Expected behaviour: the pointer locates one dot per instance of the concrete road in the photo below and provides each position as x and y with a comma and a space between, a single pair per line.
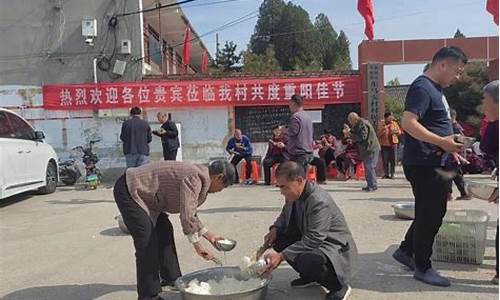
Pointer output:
67, 245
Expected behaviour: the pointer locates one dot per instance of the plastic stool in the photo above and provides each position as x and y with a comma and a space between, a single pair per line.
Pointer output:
255, 171
332, 172
311, 173
360, 171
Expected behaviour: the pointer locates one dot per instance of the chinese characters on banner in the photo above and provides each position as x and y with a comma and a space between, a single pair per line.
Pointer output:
202, 93
373, 93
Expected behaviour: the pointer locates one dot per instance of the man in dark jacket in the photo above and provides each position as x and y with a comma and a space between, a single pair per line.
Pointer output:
365, 138
274, 154
169, 136
136, 136
239, 147
311, 234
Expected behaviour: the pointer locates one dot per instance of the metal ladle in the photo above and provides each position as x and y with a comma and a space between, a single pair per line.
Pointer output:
225, 245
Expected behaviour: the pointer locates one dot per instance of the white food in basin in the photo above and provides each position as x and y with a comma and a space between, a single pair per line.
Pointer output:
226, 242
228, 285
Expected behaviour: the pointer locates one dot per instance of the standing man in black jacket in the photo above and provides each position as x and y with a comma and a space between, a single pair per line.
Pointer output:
136, 136
169, 136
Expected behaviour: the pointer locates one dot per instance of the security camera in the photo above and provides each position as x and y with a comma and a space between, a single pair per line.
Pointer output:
89, 41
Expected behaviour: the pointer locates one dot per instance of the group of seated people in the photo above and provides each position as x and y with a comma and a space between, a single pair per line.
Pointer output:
333, 153
329, 153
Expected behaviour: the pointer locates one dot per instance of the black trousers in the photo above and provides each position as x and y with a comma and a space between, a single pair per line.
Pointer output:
155, 253
313, 266
344, 165
329, 156
268, 163
236, 160
320, 165
459, 181
389, 159
431, 192
167, 153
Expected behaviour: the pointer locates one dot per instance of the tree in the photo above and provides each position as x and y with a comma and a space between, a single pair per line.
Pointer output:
458, 34
267, 24
260, 63
465, 95
326, 39
289, 28
395, 106
296, 48
344, 62
393, 82
226, 59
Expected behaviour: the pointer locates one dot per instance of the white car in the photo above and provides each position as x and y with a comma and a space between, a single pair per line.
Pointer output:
26, 161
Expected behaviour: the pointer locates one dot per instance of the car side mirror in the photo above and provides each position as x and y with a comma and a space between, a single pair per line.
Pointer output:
39, 135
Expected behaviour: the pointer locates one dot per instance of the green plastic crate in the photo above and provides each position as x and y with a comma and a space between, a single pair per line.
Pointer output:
462, 237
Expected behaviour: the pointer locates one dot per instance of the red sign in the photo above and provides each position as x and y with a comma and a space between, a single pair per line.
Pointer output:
316, 91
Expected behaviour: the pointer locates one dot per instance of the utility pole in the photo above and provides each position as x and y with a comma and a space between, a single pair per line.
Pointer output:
160, 39
216, 45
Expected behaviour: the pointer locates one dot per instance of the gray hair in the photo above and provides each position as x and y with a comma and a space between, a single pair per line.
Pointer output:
290, 170
492, 90
223, 167
298, 99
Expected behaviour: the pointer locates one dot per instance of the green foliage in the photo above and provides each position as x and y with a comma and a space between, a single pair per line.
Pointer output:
465, 95
226, 59
393, 82
344, 62
327, 40
396, 106
260, 63
298, 44
267, 25
299, 49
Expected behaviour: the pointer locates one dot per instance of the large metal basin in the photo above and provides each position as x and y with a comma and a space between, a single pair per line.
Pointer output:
404, 210
217, 274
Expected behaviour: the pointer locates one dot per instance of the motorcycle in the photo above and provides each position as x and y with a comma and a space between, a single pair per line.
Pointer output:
93, 175
69, 171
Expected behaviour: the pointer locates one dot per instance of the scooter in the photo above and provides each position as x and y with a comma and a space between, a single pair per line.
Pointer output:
69, 171
92, 173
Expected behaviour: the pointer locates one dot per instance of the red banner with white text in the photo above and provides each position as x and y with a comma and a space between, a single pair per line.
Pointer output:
202, 93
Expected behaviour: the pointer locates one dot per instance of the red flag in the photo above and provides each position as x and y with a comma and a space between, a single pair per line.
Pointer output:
492, 8
204, 61
186, 54
365, 8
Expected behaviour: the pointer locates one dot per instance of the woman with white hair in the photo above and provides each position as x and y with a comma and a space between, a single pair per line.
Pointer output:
489, 140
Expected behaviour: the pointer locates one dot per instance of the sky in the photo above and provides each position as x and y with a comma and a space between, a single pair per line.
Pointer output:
394, 20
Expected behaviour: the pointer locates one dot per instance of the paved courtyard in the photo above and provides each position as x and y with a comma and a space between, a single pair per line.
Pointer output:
67, 245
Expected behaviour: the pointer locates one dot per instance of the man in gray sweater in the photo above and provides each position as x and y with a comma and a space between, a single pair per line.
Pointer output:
298, 136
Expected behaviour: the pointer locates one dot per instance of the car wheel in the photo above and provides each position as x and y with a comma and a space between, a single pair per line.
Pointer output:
50, 179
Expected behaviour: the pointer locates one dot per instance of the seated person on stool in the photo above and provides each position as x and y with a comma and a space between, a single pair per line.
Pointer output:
274, 153
319, 163
239, 146
311, 234
327, 150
